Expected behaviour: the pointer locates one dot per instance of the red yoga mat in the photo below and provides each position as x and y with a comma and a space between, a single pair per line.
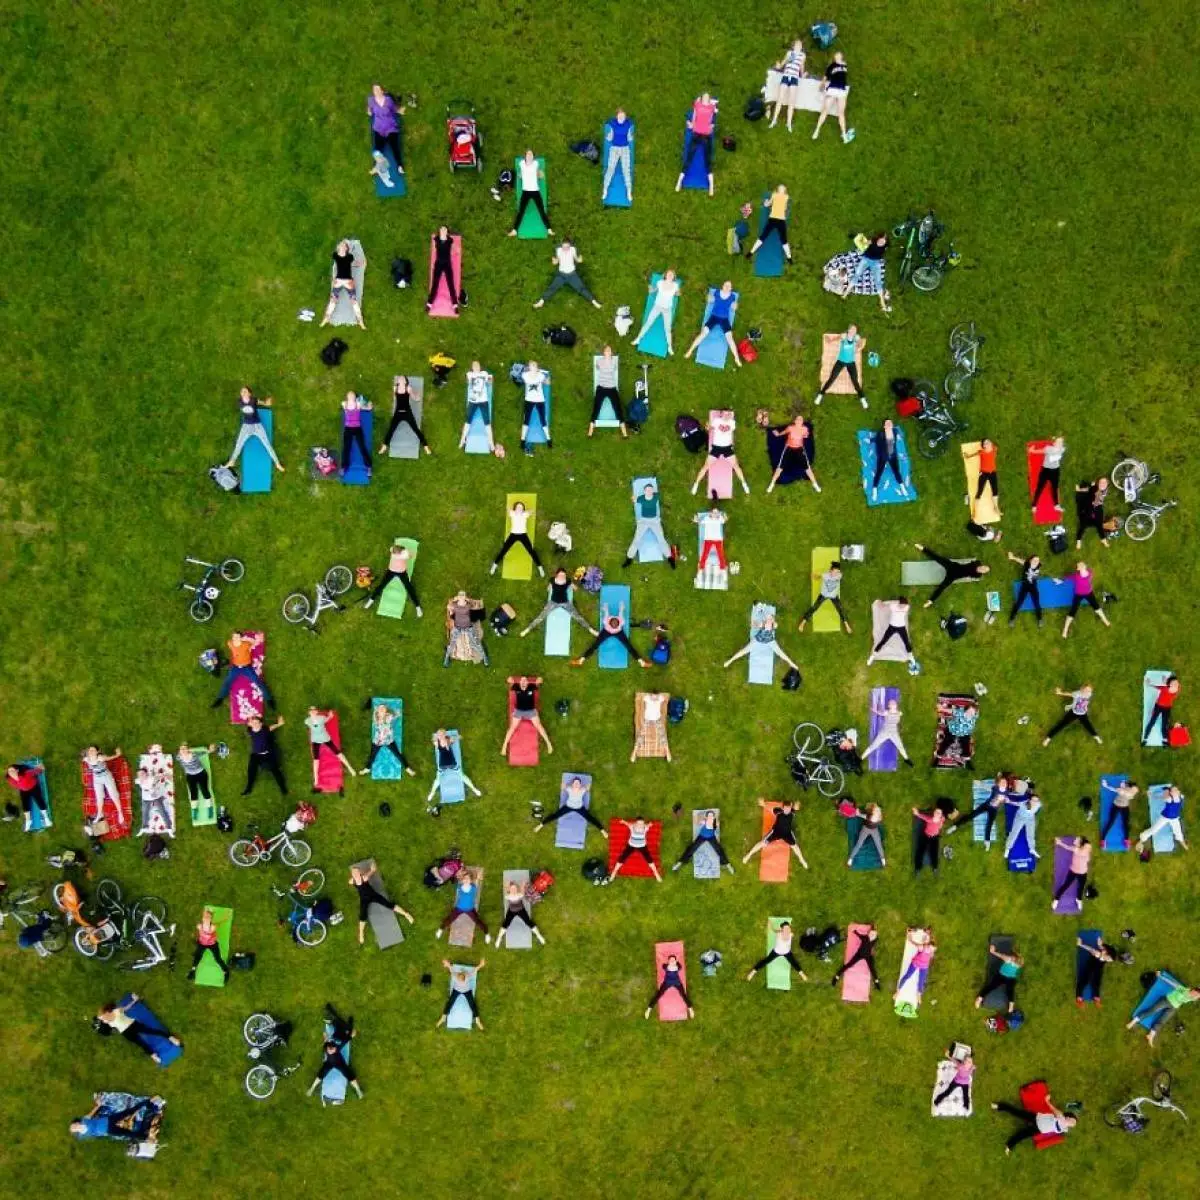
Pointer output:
635, 864
443, 302
670, 1006
523, 746
116, 829
1034, 1098
1045, 513
773, 860
331, 775
856, 982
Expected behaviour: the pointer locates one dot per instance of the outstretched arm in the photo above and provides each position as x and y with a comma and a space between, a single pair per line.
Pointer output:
740, 654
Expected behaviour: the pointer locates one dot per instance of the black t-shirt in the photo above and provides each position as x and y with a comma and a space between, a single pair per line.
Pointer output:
445, 757
343, 265
963, 570
783, 822
875, 251
560, 593
261, 740
836, 75
526, 696
442, 249
1030, 573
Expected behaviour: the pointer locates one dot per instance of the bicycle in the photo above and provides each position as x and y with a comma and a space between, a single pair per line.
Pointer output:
250, 851
918, 262
140, 925
964, 346
1142, 521
307, 927
1131, 475
1128, 1116
810, 762
297, 608
939, 425
264, 1033
205, 593
23, 907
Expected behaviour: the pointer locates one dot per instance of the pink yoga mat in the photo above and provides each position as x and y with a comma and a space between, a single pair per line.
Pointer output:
331, 775
718, 482
671, 1007
1068, 905
246, 698
443, 302
856, 982
887, 757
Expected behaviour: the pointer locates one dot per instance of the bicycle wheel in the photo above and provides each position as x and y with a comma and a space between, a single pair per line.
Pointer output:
933, 443
310, 883
958, 383
85, 943
232, 569
244, 853
151, 905
55, 938
830, 780
1160, 1085
108, 895
259, 1030
260, 1081
1115, 1114
926, 391
1128, 469
808, 738
961, 338
200, 610
310, 932
927, 277
296, 608
1140, 525
295, 852
338, 580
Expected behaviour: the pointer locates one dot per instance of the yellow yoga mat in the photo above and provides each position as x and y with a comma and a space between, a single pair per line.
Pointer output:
517, 563
825, 619
985, 510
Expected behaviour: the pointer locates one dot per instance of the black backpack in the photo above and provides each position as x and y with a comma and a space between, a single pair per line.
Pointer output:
588, 150
955, 626
559, 335
402, 272
690, 433
755, 109
331, 355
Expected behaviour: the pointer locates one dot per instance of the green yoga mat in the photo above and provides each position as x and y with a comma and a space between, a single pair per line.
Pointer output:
825, 619
779, 971
531, 224
208, 974
394, 599
924, 572
204, 812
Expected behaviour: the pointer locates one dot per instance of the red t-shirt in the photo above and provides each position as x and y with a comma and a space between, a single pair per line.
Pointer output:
26, 781
1166, 697
987, 460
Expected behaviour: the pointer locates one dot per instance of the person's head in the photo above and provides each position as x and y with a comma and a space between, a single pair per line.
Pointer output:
397, 548
529, 156
1081, 842
475, 365
236, 639
352, 398
672, 962
648, 491
1173, 683
522, 680
710, 819
185, 751
835, 569
888, 427
839, 58
531, 365
246, 394
607, 352
1082, 568
92, 753
1070, 1122
381, 711
784, 927
206, 917
565, 243
356, 874
576, 784
443, 232
142, 777
669, 275
378, 92
1002, 781
620, 114
343, 247
787, 805
892, 705
902, 601
254, 722
13, 771
781, 190
727, 287
881, 238
705, 98
982, 569
715, 511
1086, 690
518, 507
1035, 560
560, 576
639, 823
441, 738
1173, 791
78, 1128
875, 813
798, 45
851, 331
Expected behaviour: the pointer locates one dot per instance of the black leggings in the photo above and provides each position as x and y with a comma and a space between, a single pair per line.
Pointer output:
393, 748
997, 980
403, 414
699, 841
510, 542
350, 435
1028, 1123
562, 810
986, 807
1090, 519
610, 394
1069, 718
864, 953
534, 198
215, 951
271, 762
1116, 814
882, 463
834, 600
470, 999
894, 631
1064, 887
604, 635
138, 1032
773, 955
388, 576
985, 478
442, 270
1090, 976
777, 225
1077, 601
954, 571
630, 850
1047, 478
850, 368
32, 798
336, 1062
926, 852
391, 141
667, 986
700, 141
1158, 713
198, 786
966, 1094
518, 914
531, 407
367, 895
1030, 590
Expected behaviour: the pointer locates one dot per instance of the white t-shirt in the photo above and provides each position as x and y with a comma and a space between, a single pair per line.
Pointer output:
477, 382
712, 528
1049, 1123
529, 176
665, 291
721, 433
783, 941
533, 381
566, 256
518, 520
652, 707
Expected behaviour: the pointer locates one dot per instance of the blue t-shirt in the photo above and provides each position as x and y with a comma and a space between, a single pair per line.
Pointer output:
705, 832
1172, 808
465, 898
846, 349
620, 131
648, 508
722, 306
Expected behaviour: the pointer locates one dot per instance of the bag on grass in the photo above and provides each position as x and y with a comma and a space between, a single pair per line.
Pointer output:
755, 109
588, 150
1179, 736
677, 708
402, 272
243, 960
955, 626
748, 350
224, 478
331, 353
559, 335
691, 433
660, 652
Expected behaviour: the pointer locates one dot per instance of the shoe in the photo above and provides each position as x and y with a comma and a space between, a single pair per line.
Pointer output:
817, 400
541, 571
729, 868
419, 612
492, 569
438, 934
863, 401
677, 866
191, 975
874, 493
368, 602
627, 562
816, 487
1079, 1001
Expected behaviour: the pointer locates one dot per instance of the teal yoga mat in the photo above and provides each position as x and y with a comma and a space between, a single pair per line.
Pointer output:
655, 341
257, 469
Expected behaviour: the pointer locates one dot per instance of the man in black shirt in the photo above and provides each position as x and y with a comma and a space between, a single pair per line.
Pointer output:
955, 569
264, 752
559, 595
443, 267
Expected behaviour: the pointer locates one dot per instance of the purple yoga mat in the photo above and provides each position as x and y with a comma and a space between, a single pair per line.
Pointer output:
1071, 904
887, 757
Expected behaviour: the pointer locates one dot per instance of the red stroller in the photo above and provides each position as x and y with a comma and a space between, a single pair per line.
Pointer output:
463, 138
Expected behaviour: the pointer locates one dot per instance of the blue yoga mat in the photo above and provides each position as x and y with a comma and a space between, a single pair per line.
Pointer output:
451, 789
1093, 937
761, 659
612, 655
648, 551
356, 473
1020, 857
1114, 841
607, 417
889, 491
696, 176
257, 469
399, 179
558, 634
1051, 594
617, 196
1166, 982
714, 349
460, 1016
981, 789
536, 435
333, 1086
768, 262
386, 766
1164, 840
166, 1049
36, 824
655, 341
1151, 682
570, 830
477, 438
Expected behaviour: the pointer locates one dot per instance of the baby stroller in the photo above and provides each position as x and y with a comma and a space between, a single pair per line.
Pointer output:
463, 138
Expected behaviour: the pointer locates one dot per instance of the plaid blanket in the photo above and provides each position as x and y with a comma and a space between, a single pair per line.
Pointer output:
120, 820
650, 737
841, 267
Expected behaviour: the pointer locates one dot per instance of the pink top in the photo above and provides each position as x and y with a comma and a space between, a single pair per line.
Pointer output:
923, 957
964, 1073
1081, 858
352, 417
703, 117
1081, 583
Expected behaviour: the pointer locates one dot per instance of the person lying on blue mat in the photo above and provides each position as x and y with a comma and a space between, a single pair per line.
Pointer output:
612, 625
334, 1059
665, 292
461, 987
385, 116
1157, 1014
252, 427
122, 1116
618, 133
116, 1019
383, 737
720, 316
701, 124
886, 458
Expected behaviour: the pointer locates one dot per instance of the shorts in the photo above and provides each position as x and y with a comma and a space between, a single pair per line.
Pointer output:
520, 714
790, 81
776, 836
837, 93
718, 323
720, 451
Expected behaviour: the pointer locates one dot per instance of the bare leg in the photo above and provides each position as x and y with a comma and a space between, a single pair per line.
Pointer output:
742, 652
541, 729
732, 346
513, 722
796, 852
753, 850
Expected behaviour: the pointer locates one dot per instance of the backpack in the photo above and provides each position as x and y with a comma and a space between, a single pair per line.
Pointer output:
791, 681
955, 626
823, 34
441, 872
747, 350
910, 406
516, 374
588, 150
559, 335
502, 617
243, 960
155, 847
224, 478
637, 412
331, 354
691, 433
1179, 736
594, 870
755, 109
402, 272
660, 652
1057, 538
729, 142
677, 708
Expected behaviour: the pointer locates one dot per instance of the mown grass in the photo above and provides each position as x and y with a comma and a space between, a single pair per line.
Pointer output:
175, 180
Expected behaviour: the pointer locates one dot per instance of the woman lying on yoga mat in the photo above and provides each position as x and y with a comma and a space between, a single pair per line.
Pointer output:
525, 691
639, 831
1165, 696
782, 830
956, 569
517, 908
665, 293
720, 316
572, 802
924, 948
849, 346
701, 122
791, 71
870, 262
462, 980
334, 1058
353, 407
872, 822
1089, 510
252, 427
558, 595
1157, 1014
795, 454
776, 205
402, 414
928, 839
889, 731
207, 943
781, 949
1123, 796
899, 612
241, 648
1085, 593
996, 799
1077, 871
103, 782
319, 737
987, 469
116, 1018
721, 426
1049, 473
964, 1074
1170, 818
648, 523
443, 268
464, 637
887, 457
397, 568
864, 952
1023, 807
447, 760
362, 882
672, 981
466, 903
199, 786
518, 523
530, 176
385, 116
1053, 1122
535, 380
606, 389
1005, 973
706, 835
618, 136
479, 403
836, 88
1031, 570
343, 283
762, 632
612, 625
566, 260
1092, 972
383, 737
27, 781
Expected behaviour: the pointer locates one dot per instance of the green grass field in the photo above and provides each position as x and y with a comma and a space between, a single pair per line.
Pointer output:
176, 178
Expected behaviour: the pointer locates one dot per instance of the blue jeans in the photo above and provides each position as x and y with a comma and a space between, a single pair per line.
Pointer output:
866, 266
246, 673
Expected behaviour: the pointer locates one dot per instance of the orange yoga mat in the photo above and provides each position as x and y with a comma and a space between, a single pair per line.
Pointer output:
773, 861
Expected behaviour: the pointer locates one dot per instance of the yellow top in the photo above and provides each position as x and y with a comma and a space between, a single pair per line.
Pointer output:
779, 204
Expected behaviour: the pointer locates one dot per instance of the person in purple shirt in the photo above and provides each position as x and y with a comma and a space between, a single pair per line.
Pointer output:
353, 408
385, 116
1085, 593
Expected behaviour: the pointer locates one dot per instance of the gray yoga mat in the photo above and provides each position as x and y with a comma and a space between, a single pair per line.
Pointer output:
343, 312
404, 442
519, 936
462, 931
384, 923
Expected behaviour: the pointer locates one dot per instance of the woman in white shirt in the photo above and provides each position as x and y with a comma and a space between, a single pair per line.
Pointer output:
530, 176
518, 523
791, 68
479, 402
535, 380
665, 292
566, 260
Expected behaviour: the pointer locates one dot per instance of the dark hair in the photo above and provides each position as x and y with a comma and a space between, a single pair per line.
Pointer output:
901, 599
835, 566
881, 234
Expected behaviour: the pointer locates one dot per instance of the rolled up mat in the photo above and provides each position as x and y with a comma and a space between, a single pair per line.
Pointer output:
670, 1005
1071, 903
608, 415
825, 619
385, 924
334, 1085
953, 1105
460, 1016
774, 860
779, 970
981, 789
761, 659
570, 830
444, 302
695, 174
867, 859
246, 699
36, 822
398, 181
532, 225
1044, 512
986, 509
842, 386
1053, 593
614, 597
1094, 938
541, 418
1114, 842
705, 863
889, 490
258, 471
887, 757
856, 982
711, 577
523, 745
208, 974
120, 819
1151, 682
386, 766
519, 935
893, 650
404, 443
648, 549
160, 1040
768, 262
204, 812
617, 195
635, 865
1021, 857
343, 310
557, 635
356, 473
655, 341
451, 788
1166, 982
922, 572
477, 438
714, 349
1164, 840
394, 599
331, 775
995, 999
462, 929
517, 563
